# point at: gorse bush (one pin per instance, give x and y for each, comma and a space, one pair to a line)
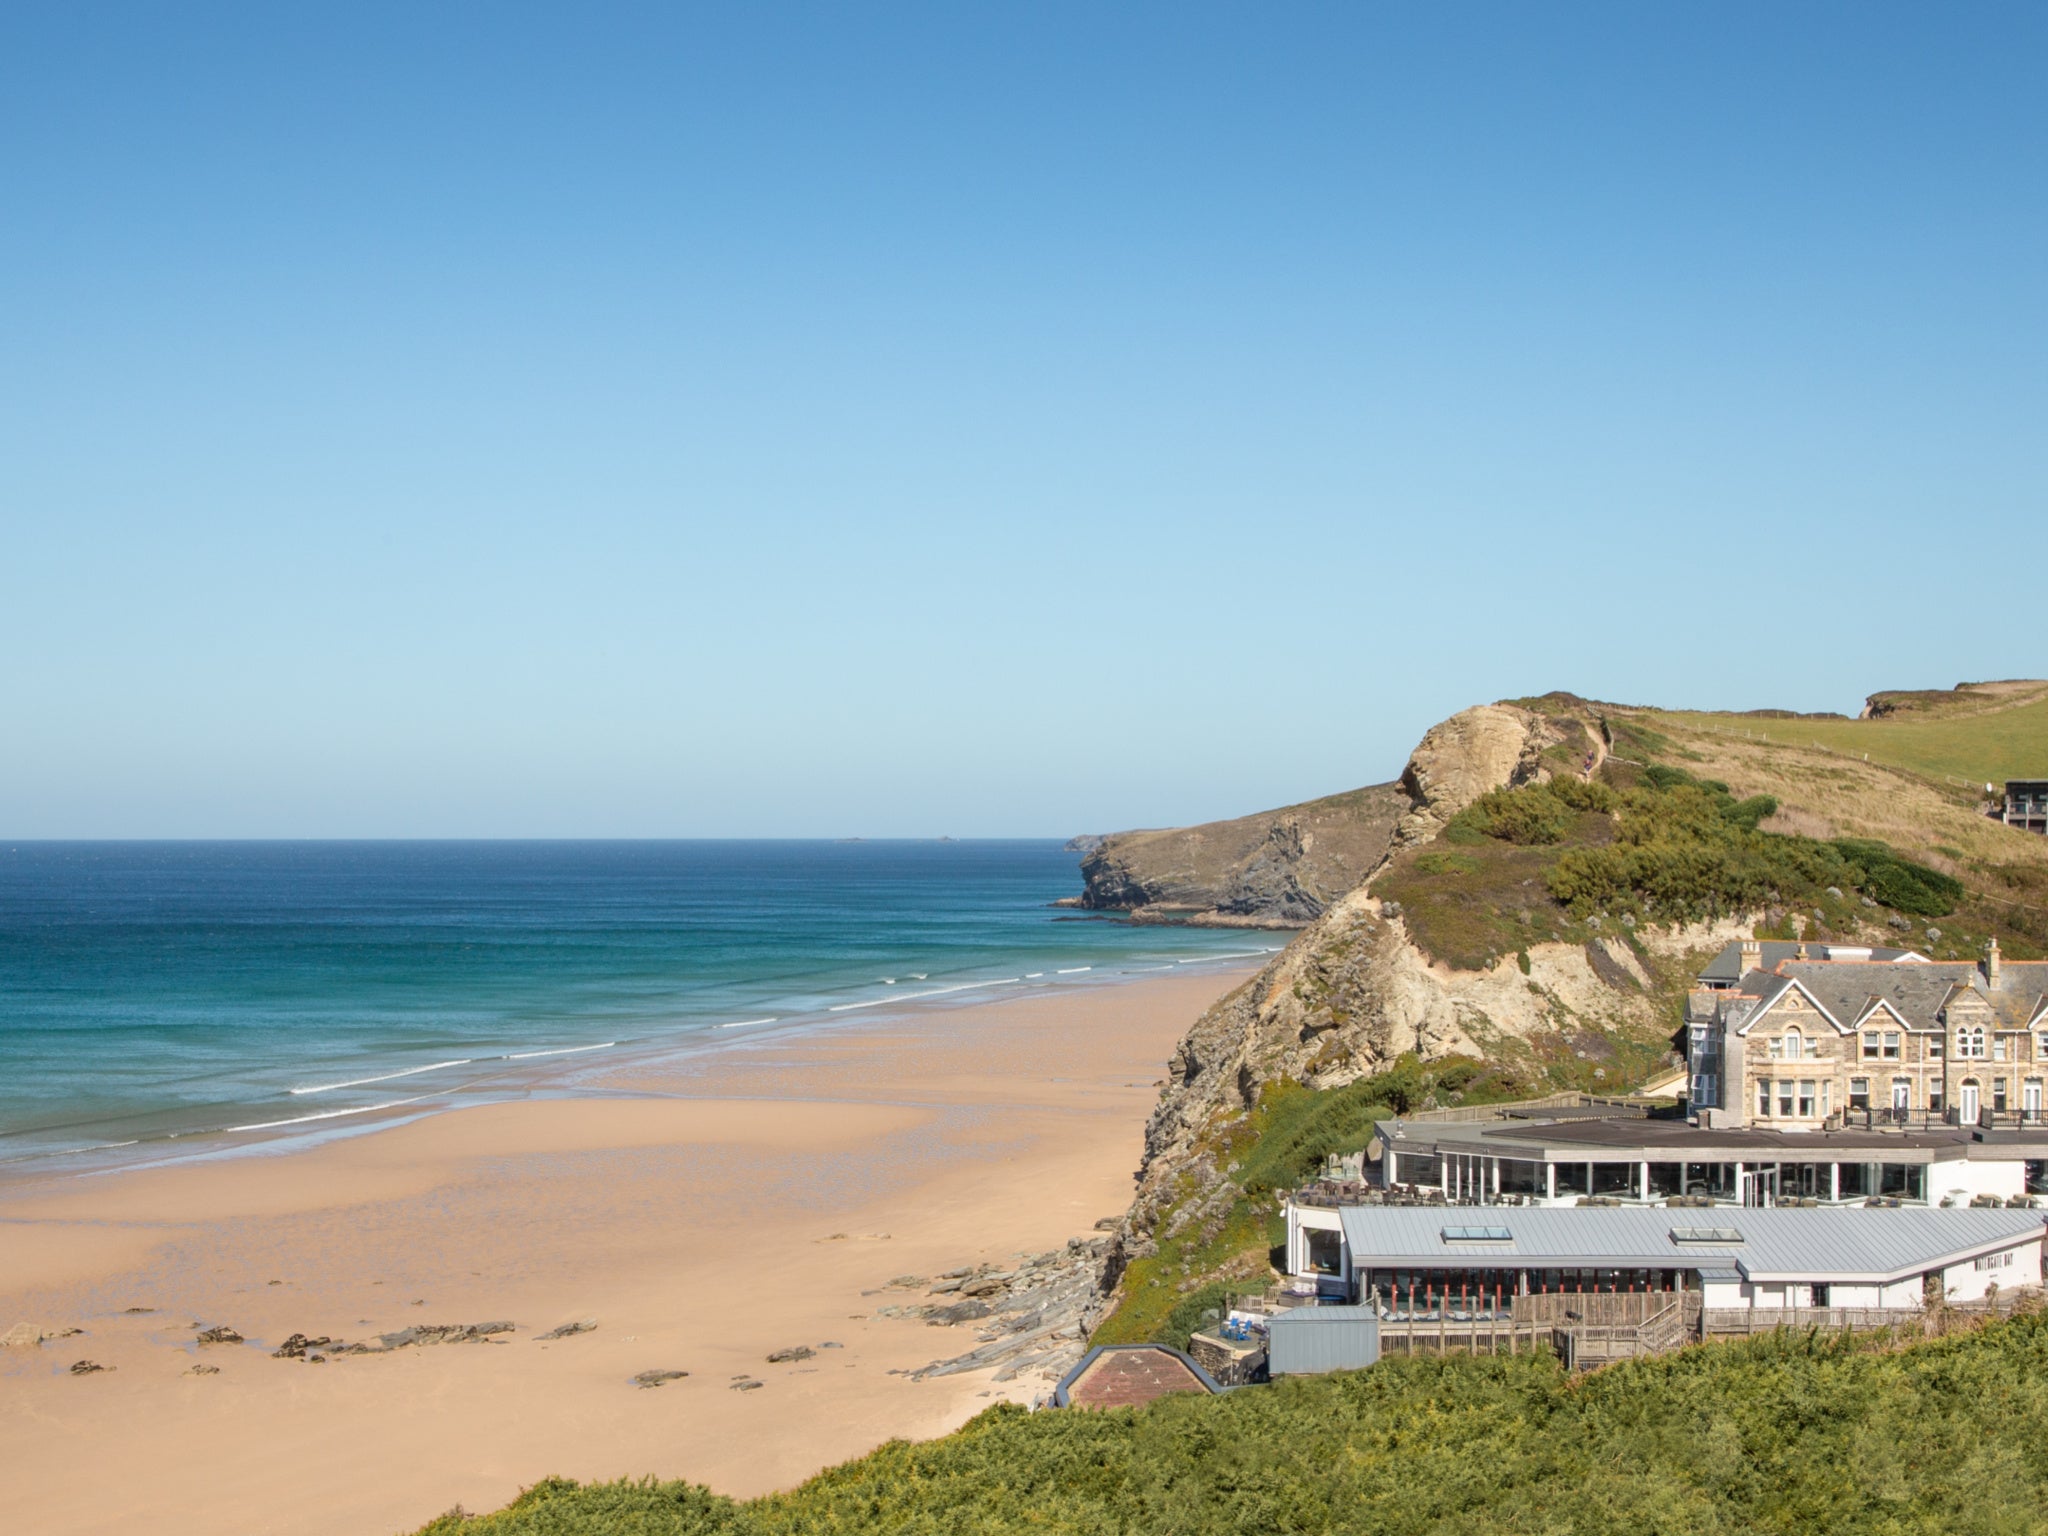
1537, 814
1684, 848
1899, 882
1787, 1435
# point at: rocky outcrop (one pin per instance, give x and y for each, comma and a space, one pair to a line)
1034, 1315
1284, 868
1349, 996
1471, 754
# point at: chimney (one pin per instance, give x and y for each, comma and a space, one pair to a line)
1991, 965
1804, 952
1752, 956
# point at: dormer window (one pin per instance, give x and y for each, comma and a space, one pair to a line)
1970, 1043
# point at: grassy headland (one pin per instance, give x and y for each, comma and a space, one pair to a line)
1978, 738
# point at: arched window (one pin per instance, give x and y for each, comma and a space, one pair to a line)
1970, 1043
1795, 1045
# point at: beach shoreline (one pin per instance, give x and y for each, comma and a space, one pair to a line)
707, 1208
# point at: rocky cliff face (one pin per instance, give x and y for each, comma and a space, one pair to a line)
1352, 993
1284, 868
1278, 869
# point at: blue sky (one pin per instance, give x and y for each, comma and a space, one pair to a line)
486, 420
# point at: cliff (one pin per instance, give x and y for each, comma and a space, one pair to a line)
1284, 868
1542, 938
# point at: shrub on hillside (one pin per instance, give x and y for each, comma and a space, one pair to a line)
1801, 1431
1898, 882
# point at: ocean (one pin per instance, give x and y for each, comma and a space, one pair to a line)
152, 993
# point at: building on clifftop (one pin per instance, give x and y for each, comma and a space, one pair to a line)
1823, 1040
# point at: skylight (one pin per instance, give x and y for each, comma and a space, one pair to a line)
1478, 1235
1705, 1235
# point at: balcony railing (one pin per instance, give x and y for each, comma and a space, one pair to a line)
1854, 1119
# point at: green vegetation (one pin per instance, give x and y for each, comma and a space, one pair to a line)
1650, 841
1229, 1228
1977, 742
1684, 848
1794, 1433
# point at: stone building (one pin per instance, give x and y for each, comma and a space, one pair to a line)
1829, 1038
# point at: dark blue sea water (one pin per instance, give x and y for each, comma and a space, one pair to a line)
154, 991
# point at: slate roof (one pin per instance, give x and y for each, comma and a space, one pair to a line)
1843, 1246
1725, 969
1849, 989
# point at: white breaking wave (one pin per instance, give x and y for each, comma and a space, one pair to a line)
1074, 970
743, 1023
357, 1082
906, 997
1235, 954
565, 1050
330, 1114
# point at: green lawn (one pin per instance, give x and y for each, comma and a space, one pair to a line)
1985, 748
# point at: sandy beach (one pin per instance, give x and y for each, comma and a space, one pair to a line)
706, 1210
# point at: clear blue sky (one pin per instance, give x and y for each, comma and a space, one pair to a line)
486, 420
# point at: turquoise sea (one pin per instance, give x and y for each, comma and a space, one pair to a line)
155, 992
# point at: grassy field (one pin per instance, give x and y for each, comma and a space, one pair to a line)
1987, 747
1781, 1435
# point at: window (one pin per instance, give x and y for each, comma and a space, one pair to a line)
1934, 1097
1859, 1093
1902, 1093
1998, 1047
1970, 1044
2041, 1048
1870, 1046
1706, 1235
1477, 1235
1763, 1096
1998, 1094
1934, 1047
1785, 1096
2030, 1098
1774, 1049
1827, 1095
1891, 1045
1806, 1098
1795, 1045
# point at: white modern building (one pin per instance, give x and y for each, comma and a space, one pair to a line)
1456, 1261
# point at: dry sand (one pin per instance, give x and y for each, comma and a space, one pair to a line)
706, 1210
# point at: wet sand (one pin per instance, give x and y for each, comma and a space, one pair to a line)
706, 1210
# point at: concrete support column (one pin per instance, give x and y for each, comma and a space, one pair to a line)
1834, 1181
1550, 1181
1644, 1185
1738, 1184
